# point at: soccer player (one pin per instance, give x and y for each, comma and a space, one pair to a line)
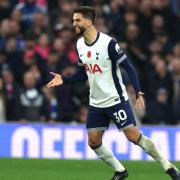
100, 59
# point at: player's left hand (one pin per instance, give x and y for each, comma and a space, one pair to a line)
140, 101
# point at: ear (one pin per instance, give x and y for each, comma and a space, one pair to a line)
89, 22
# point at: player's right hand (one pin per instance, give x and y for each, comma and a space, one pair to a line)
56, 81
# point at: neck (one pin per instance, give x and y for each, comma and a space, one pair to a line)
90, 35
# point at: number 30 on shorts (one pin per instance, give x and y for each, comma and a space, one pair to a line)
120, 115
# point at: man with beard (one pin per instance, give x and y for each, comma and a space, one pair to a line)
100, 59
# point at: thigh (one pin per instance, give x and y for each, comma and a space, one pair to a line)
97, 120
122, 115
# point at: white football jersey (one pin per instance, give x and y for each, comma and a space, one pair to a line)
101, 61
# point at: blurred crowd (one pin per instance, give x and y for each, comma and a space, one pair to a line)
36, 37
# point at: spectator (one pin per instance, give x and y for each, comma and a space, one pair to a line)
11, 95
42, 48
116, 13
159, 110
175, 6
144, 21
60, 49
59, 45
53, 64
176, 110
3, 61
176, 50
155, 47
134, 49
101, 25
40, 25
40, 3
33, 106
24, 64
39, 76
67, 37
175, 63
82, 114
5, 9
161, 78
131, 5
158, 25
2, 103
129, 17
164, 40
10, 37
15, 34
66, 98
176, 77
4, 32
52, 104
81, 94
24, 13
132, 33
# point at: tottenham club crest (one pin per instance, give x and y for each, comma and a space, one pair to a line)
97, 55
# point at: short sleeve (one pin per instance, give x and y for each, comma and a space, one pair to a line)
116, 54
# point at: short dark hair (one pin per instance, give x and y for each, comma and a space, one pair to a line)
87, 12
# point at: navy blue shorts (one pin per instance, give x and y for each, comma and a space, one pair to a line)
100, 118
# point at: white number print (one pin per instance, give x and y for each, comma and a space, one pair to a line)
120, 115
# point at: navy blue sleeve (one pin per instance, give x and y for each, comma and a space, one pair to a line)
79, 76
132, 74
116, 54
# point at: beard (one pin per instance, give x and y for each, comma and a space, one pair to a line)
80, 31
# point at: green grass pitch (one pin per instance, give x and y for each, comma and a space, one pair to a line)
44, 169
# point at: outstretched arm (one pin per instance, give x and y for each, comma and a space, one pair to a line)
80, 75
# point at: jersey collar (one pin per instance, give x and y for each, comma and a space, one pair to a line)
97, 37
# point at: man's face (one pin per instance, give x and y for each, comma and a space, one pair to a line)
29, 80
80, 24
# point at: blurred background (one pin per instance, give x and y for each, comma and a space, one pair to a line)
36, 37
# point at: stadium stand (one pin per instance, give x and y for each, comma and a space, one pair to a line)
36, 37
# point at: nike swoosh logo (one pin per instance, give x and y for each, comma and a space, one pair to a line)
123, 123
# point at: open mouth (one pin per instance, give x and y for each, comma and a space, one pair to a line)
76, 28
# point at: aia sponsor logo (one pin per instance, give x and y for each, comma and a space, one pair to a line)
92, 68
